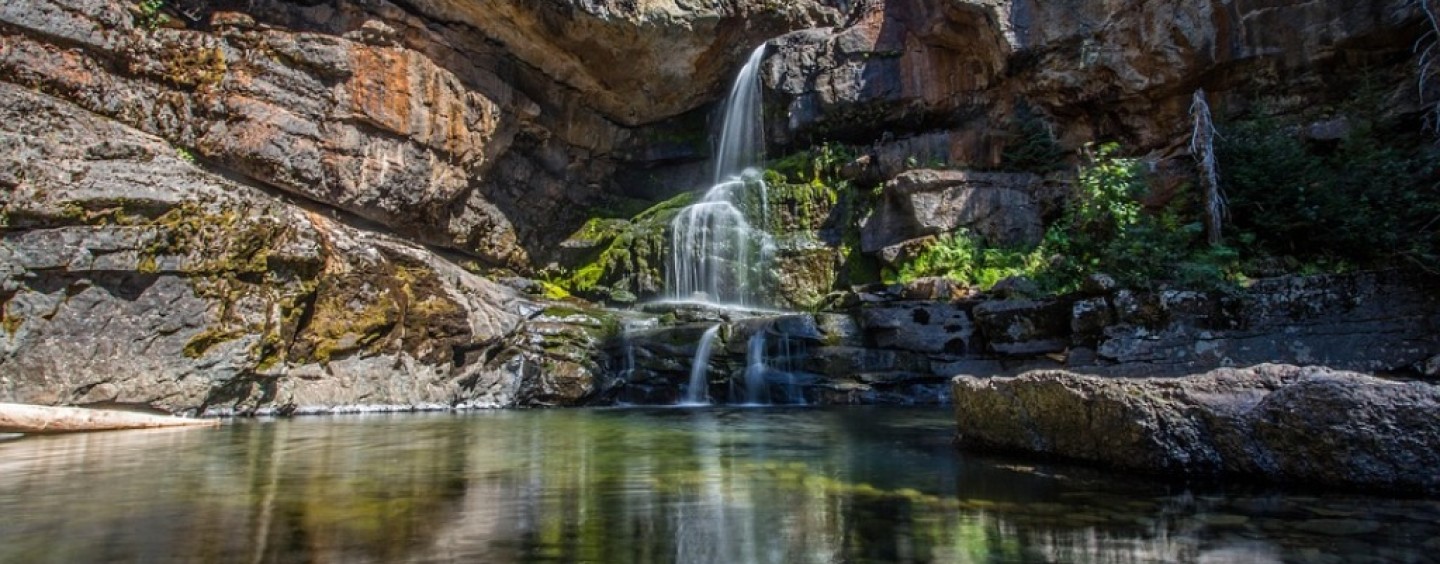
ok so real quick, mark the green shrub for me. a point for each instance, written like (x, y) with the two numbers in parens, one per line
(1367, 201)
(150, 14)
(1032, 146)
(1104, 229)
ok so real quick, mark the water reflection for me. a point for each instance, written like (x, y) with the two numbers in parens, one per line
(670, 485)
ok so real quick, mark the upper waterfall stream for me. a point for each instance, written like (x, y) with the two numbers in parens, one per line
(717, 255)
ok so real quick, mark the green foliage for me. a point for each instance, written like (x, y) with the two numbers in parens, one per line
(1110, 187)
(1104, 229)
(185, 155)
(819, 165)
(1367, 201)
(150, 14)
(964, 257)
(1032, 147)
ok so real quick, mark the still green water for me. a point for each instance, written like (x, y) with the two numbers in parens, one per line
(642, 485)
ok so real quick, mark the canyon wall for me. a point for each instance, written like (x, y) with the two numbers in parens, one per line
(290, 205)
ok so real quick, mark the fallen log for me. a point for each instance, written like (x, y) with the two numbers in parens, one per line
(39, 419)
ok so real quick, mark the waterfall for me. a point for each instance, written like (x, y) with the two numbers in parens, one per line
(756, 389)
(696, 393)
(742, 136)
(715, 254)
(788, 353)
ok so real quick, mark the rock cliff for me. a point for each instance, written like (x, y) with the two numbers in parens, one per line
(134, 275)
(948, 81)
(223, 205)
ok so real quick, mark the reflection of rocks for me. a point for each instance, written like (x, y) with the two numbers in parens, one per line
(1273, 421)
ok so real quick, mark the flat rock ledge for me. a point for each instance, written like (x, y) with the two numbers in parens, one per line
(1281, 423)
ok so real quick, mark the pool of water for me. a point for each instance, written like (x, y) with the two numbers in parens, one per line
(643, 485)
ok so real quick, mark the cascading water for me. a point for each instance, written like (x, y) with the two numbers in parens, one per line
(742, 135)
(770, 375)
(757, 390)
(696, 393)
(716, 255)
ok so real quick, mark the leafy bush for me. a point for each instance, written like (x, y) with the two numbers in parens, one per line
(1032, 147)
(1104, 229)
(150, 14)
(1367, 201)
(964, 257)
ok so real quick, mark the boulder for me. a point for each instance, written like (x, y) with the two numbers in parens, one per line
(996, 206)
(1015, 288)
(923, 327)
(1024, 327)
(1276, 422)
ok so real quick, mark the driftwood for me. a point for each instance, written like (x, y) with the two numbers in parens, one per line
(37, 419)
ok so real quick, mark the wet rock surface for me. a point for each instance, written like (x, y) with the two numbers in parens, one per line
(1274, 422)
(881, 340)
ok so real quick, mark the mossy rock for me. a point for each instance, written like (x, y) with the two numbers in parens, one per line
(632, 263)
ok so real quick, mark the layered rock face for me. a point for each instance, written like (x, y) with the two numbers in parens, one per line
(481, 135)
(948, 79)
(132, 275)
(1274, 422)
(285, 204)
(899, 344)
(213, 210)
(1368, 321)
(1000, 207)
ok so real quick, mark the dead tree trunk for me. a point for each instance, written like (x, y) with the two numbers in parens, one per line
(37, 419)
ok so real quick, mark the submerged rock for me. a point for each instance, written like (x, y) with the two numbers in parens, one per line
(1273, 422)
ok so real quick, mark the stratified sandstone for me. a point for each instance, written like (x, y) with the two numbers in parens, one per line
(131, 275)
